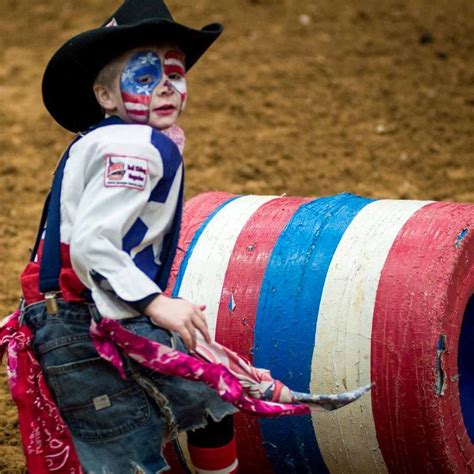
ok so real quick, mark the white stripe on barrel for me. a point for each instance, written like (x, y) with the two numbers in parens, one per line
(342, 356)
(202, 283)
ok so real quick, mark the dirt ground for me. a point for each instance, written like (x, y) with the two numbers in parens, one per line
(304, 97)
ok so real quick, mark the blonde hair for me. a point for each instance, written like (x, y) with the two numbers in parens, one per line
(110, 72)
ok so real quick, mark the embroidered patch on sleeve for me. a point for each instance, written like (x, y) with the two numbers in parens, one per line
(125, 172)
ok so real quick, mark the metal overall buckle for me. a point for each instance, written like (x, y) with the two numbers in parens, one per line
(51, 300)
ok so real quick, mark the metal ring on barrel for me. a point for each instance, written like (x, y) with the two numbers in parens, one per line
(330, 294)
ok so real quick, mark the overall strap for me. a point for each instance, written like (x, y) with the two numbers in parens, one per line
(49, 272)
(41, 225)
(50, 265)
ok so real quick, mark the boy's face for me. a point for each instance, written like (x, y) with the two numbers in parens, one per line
(151, 88)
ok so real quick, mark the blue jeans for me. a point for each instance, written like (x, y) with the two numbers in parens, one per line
(118, 426)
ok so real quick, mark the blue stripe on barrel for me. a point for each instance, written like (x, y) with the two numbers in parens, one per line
(287, 315)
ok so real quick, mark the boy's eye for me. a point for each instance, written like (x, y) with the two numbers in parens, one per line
(145, 79)
(175, 76)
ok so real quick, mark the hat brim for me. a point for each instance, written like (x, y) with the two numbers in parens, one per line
(71, 72)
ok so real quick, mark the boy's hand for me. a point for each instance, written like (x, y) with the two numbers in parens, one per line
(180, 316)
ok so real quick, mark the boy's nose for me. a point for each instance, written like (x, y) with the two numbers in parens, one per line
(164, 87)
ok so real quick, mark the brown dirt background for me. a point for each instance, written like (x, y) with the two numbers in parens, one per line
(304, 97)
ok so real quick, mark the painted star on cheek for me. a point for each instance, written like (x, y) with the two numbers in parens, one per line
(127, 76)
(150, 58)
(144, 90)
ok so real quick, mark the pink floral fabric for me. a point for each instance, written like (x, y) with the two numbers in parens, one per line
(258, 383)
(109, 336)
(177, 135)
(46, 440)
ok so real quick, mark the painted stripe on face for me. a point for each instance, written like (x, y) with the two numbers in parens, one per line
(175, 71)
(287, 317)
(140, 76)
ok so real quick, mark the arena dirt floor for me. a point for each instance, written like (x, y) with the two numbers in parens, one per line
(304, 97)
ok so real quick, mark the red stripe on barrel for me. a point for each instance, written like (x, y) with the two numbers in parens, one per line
(238, 308)
(426, 283)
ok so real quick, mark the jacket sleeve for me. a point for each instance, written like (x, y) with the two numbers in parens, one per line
(119, 179)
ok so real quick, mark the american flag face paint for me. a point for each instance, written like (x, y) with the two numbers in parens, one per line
(143, 73)
(175, 72)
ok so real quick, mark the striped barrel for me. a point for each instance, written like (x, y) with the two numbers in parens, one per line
(333, 293)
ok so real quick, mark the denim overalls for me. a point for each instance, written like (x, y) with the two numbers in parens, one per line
(118, 426)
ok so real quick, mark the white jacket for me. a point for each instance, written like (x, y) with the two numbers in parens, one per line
(119, 195)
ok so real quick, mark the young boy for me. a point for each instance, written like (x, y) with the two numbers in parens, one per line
(112, 222)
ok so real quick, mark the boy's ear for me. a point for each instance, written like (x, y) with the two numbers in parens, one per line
(105, 97)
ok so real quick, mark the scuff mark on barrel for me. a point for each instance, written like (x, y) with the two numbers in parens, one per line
(232, 304)
(460, 237)
(440, 379)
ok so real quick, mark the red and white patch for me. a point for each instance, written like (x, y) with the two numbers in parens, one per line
(125, 172)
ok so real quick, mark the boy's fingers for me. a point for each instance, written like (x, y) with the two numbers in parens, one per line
(201, 315)
(191, 327)
(202, 328)
(202, 307)
(187, 337)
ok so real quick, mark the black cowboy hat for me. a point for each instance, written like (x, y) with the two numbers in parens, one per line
(71, 72)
